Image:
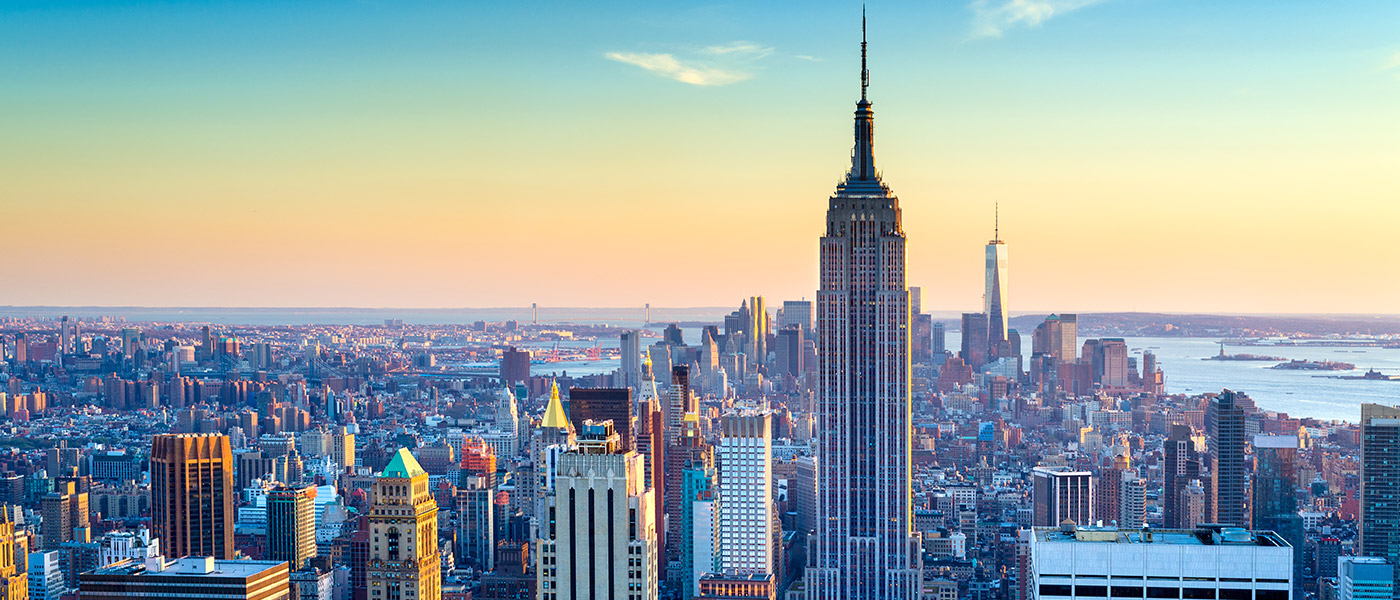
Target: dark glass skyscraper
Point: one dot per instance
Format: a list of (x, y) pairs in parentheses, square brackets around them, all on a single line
[(1225, 440), (864, 546), (1379, 534)]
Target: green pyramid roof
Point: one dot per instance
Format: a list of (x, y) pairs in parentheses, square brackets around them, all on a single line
[(403, 465)]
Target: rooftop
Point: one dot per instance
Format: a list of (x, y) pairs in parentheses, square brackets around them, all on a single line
[(1205, 535), (194, 565), (403, 465)]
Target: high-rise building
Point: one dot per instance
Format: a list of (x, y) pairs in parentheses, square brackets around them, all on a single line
[(673, 336), (994, 296), (192, 494), (1365, 578), (65, 510), (192, 577), (921, 340), (1181, 465), (864, 546), (689, 452), (14, 580), (697, 530), (680, 402), (940, 338), (1059, 493), (1058, 337), (1108, 502), (797, 313), (758, 331), (403, 561), (46, 580), (788, 353), (1069, 563), (476, 534), (1132, 501), (1225, 437), (744, 511), (631, 359), (1379, 531), (604, 404), (515, 366), (974, 339), (291, 524), (1275, 502), (599, 540)]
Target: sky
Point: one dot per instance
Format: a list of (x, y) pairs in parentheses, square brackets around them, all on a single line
[(1143, 155)]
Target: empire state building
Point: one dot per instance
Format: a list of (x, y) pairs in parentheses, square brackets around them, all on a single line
[(864, 547)]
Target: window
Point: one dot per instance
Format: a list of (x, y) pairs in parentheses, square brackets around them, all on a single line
[(1195, 593), (1234, 594), (1095, 591), (1127, 591), (1270, 594), (1163, 592), (1050, 589)]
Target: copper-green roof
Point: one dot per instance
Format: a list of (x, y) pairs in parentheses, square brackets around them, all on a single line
[(403, 465)]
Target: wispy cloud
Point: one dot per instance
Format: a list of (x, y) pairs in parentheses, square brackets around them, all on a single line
[(739, 48), (1393, 64), (991, 18), (806, 57), (667, 65)]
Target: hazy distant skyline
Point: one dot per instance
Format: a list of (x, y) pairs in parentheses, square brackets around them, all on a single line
[(1147, 155)]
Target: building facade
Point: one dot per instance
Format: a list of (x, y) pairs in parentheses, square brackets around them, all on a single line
[(864, 545), (192, 494), (291, 524), (598, 539), (1224, 563), (744, 511), (403, 560)]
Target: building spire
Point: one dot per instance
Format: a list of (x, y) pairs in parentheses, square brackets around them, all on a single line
[(996, 222), (863, 158), (864, 72)]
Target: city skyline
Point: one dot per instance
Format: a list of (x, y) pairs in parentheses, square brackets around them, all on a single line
[(276, 160)]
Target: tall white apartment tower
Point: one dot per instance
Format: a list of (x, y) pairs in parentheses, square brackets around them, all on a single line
[(744, 511)]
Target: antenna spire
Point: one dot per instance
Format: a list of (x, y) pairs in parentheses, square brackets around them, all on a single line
[(996, 222), (864, 72)]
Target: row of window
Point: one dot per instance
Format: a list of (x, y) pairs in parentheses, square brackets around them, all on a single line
[(1182, 593)]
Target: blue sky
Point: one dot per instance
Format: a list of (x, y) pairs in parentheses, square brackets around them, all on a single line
[(1116, 133)]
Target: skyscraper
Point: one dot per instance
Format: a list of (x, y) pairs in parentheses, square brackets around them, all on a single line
[(974, 339), (1226, 442), (65, 509), (600, 538), (291, 524), (14, 583), (994, 296), (1365, 578), (744, 511), (604, 404), (689, 452), (1182, 466), (797, 313), (1060, 493), (192, 494), (758, 331), (1275, 502), (631, 359), (864, 546), (403, 560), (1379, 531)]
